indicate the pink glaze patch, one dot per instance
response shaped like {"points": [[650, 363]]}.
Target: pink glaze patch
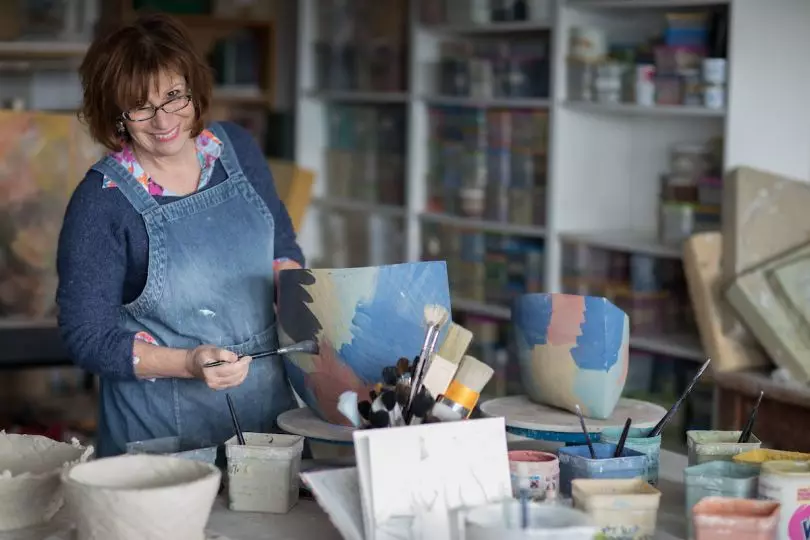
{"points": [[567, 315], [531, 456]]}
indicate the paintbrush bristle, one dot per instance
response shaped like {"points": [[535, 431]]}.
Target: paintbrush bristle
{"points": [[455, 343], [435, 315], [473, 373]]}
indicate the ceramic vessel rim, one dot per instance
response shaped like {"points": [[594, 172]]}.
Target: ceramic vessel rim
{"points": [[645, 490], [572, 514], [84, 453], [631, 453], [720, 468], [692, 434], [770, 505], [206, 470]]}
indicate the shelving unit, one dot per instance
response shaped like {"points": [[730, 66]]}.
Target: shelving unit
{"points": [[604, 160]]}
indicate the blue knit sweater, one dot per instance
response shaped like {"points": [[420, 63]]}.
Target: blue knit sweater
{"points": [[103, 255]]}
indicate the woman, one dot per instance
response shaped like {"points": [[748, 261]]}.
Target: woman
{"points": [[169, 250]]}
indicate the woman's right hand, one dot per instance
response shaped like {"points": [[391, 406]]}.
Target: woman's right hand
{"points": [[231, 373]]}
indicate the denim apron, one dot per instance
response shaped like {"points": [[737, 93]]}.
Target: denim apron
{"points": [[210, 281]]}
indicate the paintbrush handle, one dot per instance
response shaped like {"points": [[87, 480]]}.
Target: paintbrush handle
{"points": [[745, 434], [623, 438], [239, 435], [659, 427], [419, 369]]}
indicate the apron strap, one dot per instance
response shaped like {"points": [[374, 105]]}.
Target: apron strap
{"points": [[228, 157], [135, 193]]}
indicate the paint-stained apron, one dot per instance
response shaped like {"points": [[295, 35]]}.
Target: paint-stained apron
{"points": [[210, 281]]}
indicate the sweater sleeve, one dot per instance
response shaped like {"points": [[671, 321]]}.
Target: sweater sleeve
{"points": [[91, 264], [257, 171]]}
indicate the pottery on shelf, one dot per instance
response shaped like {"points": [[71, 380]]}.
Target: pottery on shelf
{"points": [[30, 488], [363, 319], [140, 496], [573, 350]]}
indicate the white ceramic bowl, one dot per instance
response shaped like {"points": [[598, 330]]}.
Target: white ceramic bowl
{"points": [[141, 497], [30, 489]]}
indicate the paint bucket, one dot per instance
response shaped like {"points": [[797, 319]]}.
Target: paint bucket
{"points": [[502, 521], [758, 457], [706, 446], [788, 482], [174, 446], [620, 508], [576, 462], [263, 474], [718, 479], [637, 440], [719, 518], [539, 470]]}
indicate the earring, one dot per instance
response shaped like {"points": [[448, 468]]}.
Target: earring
{"points": [[119, 126]]}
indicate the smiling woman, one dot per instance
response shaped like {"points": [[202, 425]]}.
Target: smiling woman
{"points": [[169, 250]]}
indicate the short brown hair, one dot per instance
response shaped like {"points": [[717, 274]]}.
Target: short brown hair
{"points": [[119, 66]]}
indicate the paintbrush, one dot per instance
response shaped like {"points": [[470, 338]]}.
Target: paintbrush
{"points": [[435, 316], [307, 347], [379, 419], [389, 402], [443, 364], [239, 435], [749, 426], [364, 408], [348, 407], [463, 393], [422, 405], [623, 438], [390, 376], [585, 431], [659, 427]]}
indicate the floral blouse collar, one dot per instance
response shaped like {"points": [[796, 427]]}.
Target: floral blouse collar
{"points": [[209, 148]]}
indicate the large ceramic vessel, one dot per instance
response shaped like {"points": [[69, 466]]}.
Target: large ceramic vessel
{"points": [[30, 488], [135, 497], [573, 350], [363, 320]]}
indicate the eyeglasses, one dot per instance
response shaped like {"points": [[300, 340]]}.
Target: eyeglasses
{"points": [[147, 113]]}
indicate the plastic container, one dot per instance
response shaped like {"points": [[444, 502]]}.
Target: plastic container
{"points": [[263, 474], [540, 470], [576, 462], [174, 446], [637, 440], [718, 479], [716, 518], [788, 483], [620, 508], [706, 446], [757, 457], [502, 521]]}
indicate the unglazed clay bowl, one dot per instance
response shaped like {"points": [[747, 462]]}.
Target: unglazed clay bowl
{"points": [[363, 320], [30, 488], [573, 350], [139, 497]]}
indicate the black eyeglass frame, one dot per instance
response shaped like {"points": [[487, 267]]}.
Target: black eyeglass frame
{"points": [[126, 116]]}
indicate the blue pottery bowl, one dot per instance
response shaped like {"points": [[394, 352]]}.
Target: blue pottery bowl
{"points": [[363, 320], [573, 350]]}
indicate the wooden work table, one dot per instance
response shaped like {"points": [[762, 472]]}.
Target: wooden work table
{"points": [[307, 521]]}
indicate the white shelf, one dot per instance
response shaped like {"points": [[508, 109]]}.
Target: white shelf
{"points": [[481, 308], [631, 109], [644, 4], [686, 347], [491, 28], [485, 103], [360, 97], [351, 205], [627, 242], [529, 231]]}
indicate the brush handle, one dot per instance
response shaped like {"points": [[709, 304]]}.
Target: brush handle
{"points": [[585, 431], [239, 435], [416, 380], [295, 347], [749, 425], [623, 438], [659, 427]]}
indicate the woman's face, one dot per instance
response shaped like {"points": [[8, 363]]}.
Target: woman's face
{"points": [[166, 133]]}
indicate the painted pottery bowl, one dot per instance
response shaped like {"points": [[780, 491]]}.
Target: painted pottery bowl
{"points": [[30, 488], [573, 350], [363, 319], [132, 497]]}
